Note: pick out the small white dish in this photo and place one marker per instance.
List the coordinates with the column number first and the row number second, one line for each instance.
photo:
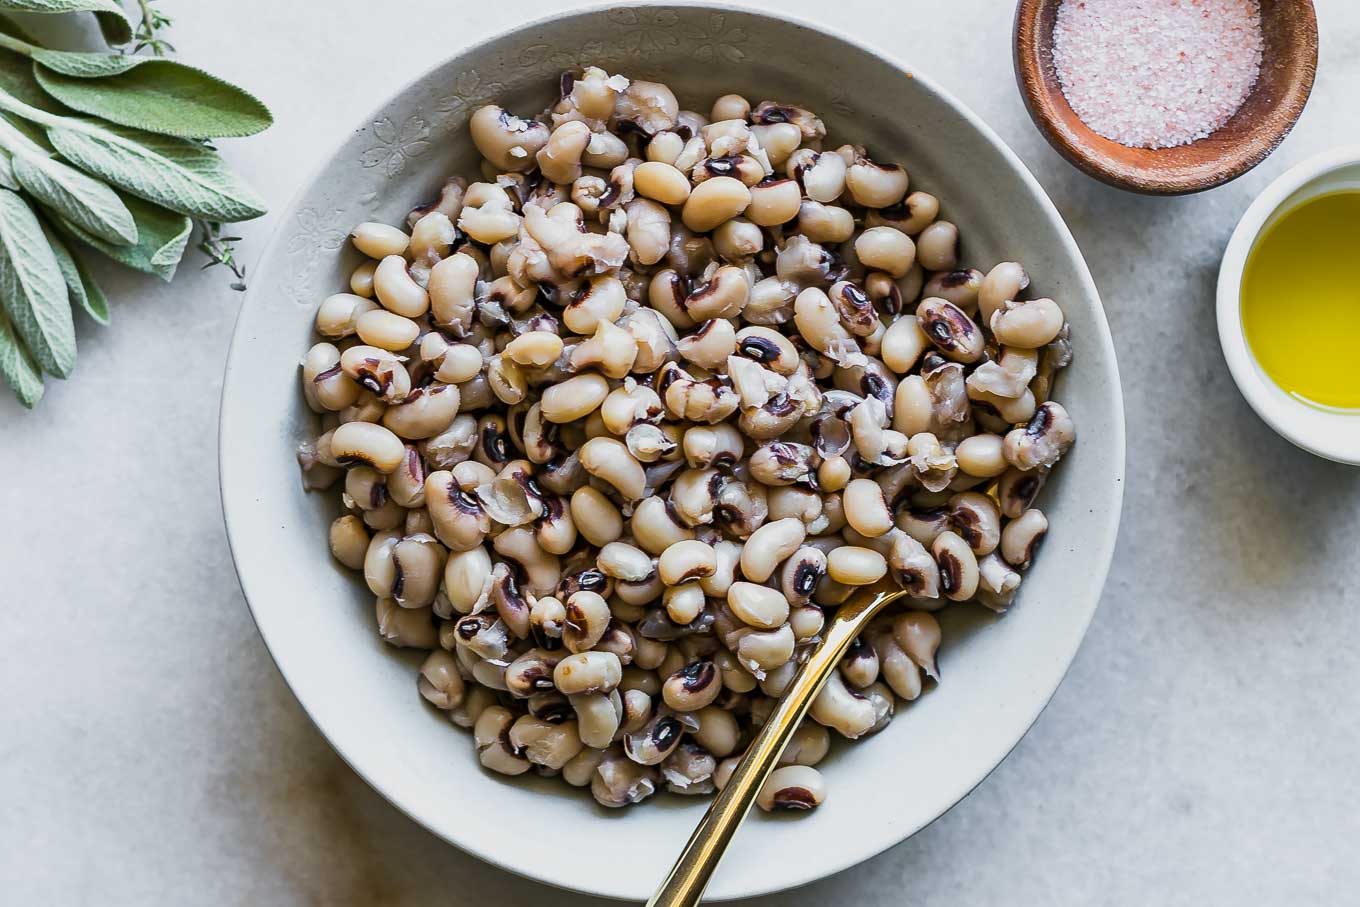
column 317, row 618
column 1329, row 433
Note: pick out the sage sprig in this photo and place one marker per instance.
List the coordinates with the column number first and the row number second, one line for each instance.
column 105, row 153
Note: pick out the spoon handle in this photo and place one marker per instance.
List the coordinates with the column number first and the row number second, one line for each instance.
column 685, row 885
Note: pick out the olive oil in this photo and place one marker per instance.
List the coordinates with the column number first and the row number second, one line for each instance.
column 1301, row 301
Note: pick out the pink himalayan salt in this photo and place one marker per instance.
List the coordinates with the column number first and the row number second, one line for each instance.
column 1157, row 73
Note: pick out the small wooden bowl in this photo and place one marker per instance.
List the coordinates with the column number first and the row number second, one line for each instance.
column 1289, row 62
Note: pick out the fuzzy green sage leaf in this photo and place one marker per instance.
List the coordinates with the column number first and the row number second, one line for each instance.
column 80, row 283
column 161, row 239
column 113, row 21
column 32, row 289
column 17, row 366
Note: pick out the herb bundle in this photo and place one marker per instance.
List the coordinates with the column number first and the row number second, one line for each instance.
column 105, row 153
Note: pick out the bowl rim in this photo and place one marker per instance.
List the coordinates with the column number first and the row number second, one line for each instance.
column 1333, row 435
column 1074, row 146
column 1097, row 569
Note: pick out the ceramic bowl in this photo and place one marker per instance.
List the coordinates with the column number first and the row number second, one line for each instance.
column 317, row 619
column 1334, row 434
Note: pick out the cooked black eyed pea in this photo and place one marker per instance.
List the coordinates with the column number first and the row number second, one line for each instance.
column 458, row 517
column 637, row 701
column 997, row 582
column 588, row 672
column 918, row 633
column 587, row 618
column 598, row 717
column 692, row 687
column 842, row 709
column 661, row 182
column 761, row 651
column 981, row 455
column 365, row 487
column 1017, row 489
column 899, row 672
column 741, row 167
column 729, row 558
column 782, row 463
column 1040, row 443
column 865, row 509
column 580, row 769
column 574, row 398
column 520, row 545
column 1003, row 283
column 418, row 563
column 439, row 682
column 620, row 781
column 338, row 315
column 505, row 140
column 609, row 461
column 903, row 345
column 730, row 107
column 1027, row 324
column 494, row 748
column 958, row 566
column 595, row 516
column 535, row 348
column 859, row 666
column 937, row 246
column 410, row 628
column 625, row 562
column 853, row 306
column 366, row 444
column 377, row 370
column 684, row 602
column 768, row 546
column 361, row 279
column 714, row 202
column 349, row 541
column 875, row 185
column 386, row 330
column 800, row 574
column 550, row 706
column 976, row 519
column 654, row 741
column 959, row 287
column 818, row 322
column 950, row 329
column 379, row 240
column 1021, row 537
column 739, row 240
column 325, row 386
column 887, row 250
column 825, row 223
column 531, row 672
column 664, row 147
column 792, row 787
column 774, row 201
column 397, row 290
column 547, row 622
column 687, row 560
column 769, row 348
column 758, row 606
column 856, row 566
column 710, row 345
column 424, row 413
column 655, row 526
column 406, row 484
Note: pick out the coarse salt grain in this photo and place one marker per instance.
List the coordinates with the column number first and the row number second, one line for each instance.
column 1157, row 73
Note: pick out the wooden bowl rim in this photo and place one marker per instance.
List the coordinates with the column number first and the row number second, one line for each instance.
column 1078, row 146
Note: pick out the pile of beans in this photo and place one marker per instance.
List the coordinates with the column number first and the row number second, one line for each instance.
column 618, row 421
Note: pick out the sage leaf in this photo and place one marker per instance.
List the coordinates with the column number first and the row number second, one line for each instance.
column 17, row 366
column 85, row 65
column 80, row 283
column 80, row 199
column 159, row 96
column 113, row 22
column 161, row 239
column 32, row 290
column 7, row 178
column 174, row 173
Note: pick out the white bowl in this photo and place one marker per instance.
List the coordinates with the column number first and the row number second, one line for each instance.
column 317, row 619
column 1330, row 433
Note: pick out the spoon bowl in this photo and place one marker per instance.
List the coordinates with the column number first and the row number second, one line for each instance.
column 1288, row 65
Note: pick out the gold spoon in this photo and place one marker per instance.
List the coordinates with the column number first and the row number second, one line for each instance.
column 685, row 885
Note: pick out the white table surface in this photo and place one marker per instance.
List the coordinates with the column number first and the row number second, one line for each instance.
column 1200, row 751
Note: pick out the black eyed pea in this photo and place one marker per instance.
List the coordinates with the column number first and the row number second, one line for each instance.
column 903, row 345
column 574, row 399
column 418, row 564
column 692, row 687
column 833, row 474
column 774, row 201
column 397, row 290
column 325, row 386
column 1022, row 536
column 361, row 279
column 976, row 518
column 466, row 574
column 559, row 160
column 598, row 717
column 768, row 546
column 452, row 290
column 625, row 562
column 887, row 250
column 338, row 315
column 874, row 185
column 664, row 148
column 349, row 541
column 856, row 566
column 379, row 240
column 899, row 672
column 588, row 672
column 612, row 350
column 758, row 606
column 650, row 106
column 808, row 745
column 654, row 741
column 495, row 751
column 580, row 770
column 950, row 329
column 981, row 455
column 937, row 246
column 958, row 566
column 378, row 371
column 687, row 560
column 729, row 557
column 409, row 628
column 684, row 603
column 739, row 240
column 426, row 412
column 595, row 516
column 366, row 444
column 822, row 174
column 817, row 320
column 842, row 709
column 718, row 731
column 959, row 287
column 1017, row 489
column 997, row 582
column 547, row 620
column 531, row 673
column 655, row 527
column 520, row 545
column 856, row 310
column 714, row 202
column 918, row 633
column 730, row 107
column 859, row 666
column 1003, row 283
column 604, row 151
column 825, row 223
column 709, row 346
column 921, row 209
column 389, row 516
column 586, row 620
column 648, row 229
column 782, row 463
column 477, row 700
column 736, row 678
column 761, row 651
column 440, row 683
column 865, row 510
column 602, row 299
column 386, row 330
column 534, row 348
column 1027, row 324
column 637, row 703
column 661, row 182
column 1039, row 444
column 800, row 574
column 620, row 781
column 505, row 140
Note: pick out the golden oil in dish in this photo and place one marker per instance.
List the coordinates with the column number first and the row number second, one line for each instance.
column 1301, row 301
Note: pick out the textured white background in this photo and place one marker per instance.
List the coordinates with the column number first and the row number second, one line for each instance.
column 1201, row 751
